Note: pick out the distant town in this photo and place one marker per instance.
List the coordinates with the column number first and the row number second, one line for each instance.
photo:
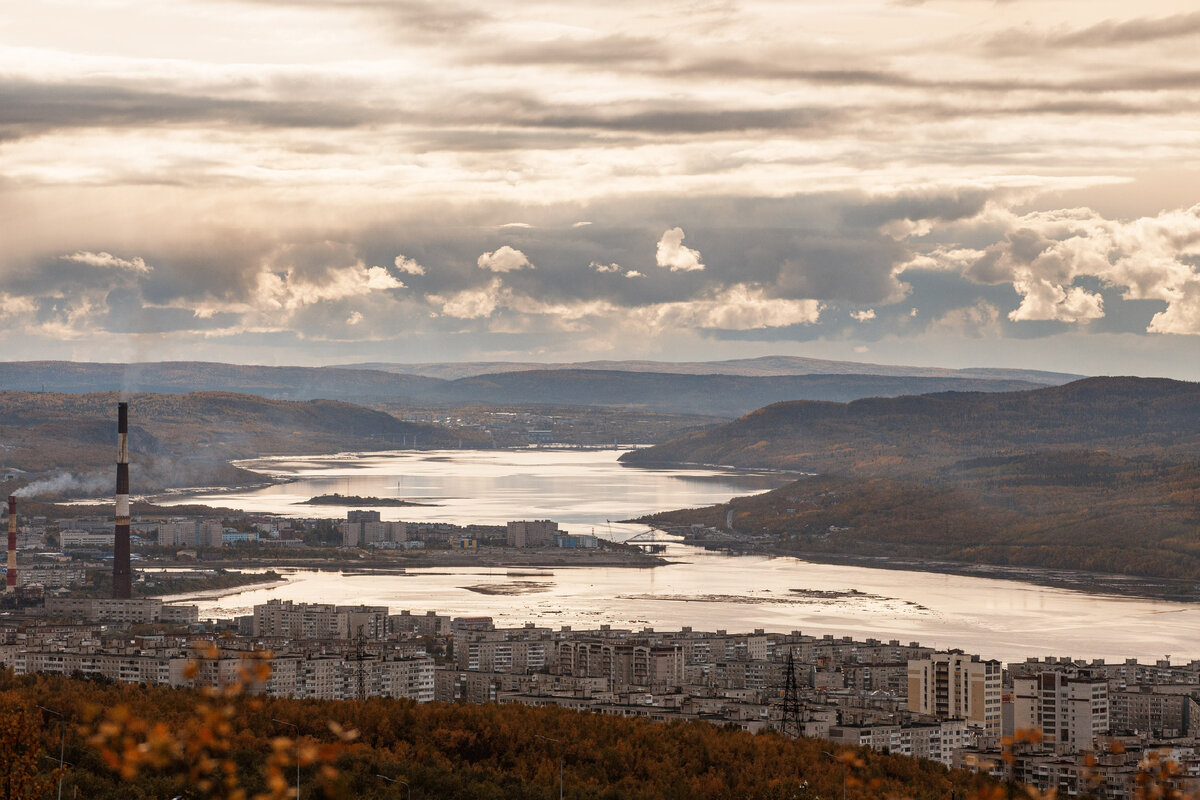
column 1088, row 718
column 1080, row 720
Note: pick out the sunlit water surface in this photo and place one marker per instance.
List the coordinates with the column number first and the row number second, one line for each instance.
column 1008, row 620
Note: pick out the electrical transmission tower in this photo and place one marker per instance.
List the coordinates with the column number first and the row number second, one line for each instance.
column 791, row 699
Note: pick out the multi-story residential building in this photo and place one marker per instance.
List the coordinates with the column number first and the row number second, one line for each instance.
column 532, row 533
column 1068, row 712
column 954, row 685
column 1166, row 711
column 286, row 619
column 935, row 741
column 136, row 610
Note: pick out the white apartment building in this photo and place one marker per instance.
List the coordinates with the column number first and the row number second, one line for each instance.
column 954, row 685
column 1069, row 712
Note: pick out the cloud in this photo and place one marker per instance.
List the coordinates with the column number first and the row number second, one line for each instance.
column 506, row 259
column 604, row 267
column 739, row 307
column 473, row 303
column 580, row 224
column 516, row 225
column 109, row 261
column 1108, row 33
column 674, row 255
column 864, row 315
column 633, row 273
column 289, row 291
column 354, row 318
column 1043, row 300
column 1043, row 254
column 408, row 266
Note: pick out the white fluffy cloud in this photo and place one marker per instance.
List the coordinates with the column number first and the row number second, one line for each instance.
column 604, row 267
column 109, row 261
column 473, row 303
column 288, row 291
column 674, row 255
column 864, row 315
column 506, row 259
column 1043, row 254
column 408, row 266
column 1043, row 300
column 740, row 307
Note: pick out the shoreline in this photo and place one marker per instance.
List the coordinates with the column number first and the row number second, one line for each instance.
column 1095, row 583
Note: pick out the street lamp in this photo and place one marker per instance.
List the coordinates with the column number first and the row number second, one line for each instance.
column 62, row 744
column 843, row 763
column 397, row 780
column 293, row 726
column 560, row 762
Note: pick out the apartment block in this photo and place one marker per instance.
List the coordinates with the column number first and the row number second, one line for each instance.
column 954, row 685
column 1070, row 712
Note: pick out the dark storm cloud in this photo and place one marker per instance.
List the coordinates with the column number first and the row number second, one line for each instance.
column 940, row 205
column 695, row 121
column 29, row 107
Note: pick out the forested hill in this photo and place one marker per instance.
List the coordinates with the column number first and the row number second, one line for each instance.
column 903, row 435
column 184, row 439
column 711, row 393
column 719, row 395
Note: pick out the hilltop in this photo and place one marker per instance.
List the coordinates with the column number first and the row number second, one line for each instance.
column 904, row 435
column 721, row 389
column 184, row 439
column 1101, row 474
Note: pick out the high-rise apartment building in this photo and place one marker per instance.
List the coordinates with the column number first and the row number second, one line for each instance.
column 1069, row 712
column 955, row 685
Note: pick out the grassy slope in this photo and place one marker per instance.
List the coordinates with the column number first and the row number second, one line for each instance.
column 1101, row 474
column 181, row 440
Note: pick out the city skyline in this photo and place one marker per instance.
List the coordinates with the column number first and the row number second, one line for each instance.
column 950, row 183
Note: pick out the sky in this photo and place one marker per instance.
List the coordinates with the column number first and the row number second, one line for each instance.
column 945, row 183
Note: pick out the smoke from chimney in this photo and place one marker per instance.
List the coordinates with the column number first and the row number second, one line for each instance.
column 122, row 584
column 10, row 580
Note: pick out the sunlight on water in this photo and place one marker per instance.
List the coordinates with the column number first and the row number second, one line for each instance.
column 1008, row 620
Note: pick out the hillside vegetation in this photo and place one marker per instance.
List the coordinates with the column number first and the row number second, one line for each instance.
column 183, row 440
column 138, row 742
column 709, row 393
column 1101, row 474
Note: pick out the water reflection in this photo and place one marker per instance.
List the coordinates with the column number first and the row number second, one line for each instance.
column 999, row 619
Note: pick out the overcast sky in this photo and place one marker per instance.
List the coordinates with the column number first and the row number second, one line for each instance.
column 951, row 182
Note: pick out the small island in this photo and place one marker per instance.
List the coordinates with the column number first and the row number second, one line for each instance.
column 357, row 501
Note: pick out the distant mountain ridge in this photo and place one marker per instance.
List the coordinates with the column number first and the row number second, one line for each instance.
column 709, row 392
column 762, row 366
column 717, row 395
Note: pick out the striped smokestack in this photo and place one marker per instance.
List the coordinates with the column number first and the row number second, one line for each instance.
column 10, row 580
column 122, row 587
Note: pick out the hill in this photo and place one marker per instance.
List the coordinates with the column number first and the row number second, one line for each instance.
column 746, row 367
column 905, row 435
column 69, row 440
column 456, row 752
column 713, row 394
column 706, row 393
column 1101, row 474
column 182, row 377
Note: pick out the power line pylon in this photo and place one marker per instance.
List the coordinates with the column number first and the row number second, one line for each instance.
column 791, row 700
